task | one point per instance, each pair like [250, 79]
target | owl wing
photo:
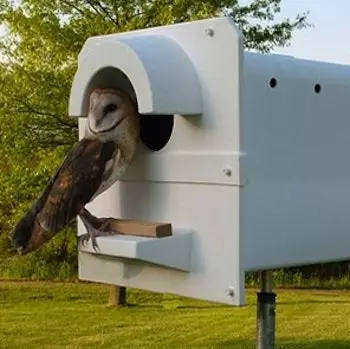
[75, 183]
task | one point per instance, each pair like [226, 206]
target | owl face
[108, 108]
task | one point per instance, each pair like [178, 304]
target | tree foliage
[38, 56]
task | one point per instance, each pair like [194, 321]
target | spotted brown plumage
[90, 168]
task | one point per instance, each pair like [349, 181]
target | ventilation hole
[273, 82]
[156, 130]
[317, 88]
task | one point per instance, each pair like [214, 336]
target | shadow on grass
[166, 305]
[289, 344]
[206, 306]
[310, 301]
[142, 306]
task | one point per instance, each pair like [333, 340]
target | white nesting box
[253, 171]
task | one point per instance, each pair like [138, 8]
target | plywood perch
[139, 228]
[132, 227]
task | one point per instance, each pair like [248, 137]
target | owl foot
[95, 227]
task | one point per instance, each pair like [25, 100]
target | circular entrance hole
[156, 130]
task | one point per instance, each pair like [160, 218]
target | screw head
[210, 31]
[230, 291]
[227, 171]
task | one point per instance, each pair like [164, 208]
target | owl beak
[120, 121]
[114, 126]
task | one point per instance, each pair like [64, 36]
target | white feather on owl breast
[114, 169]
[125, 137]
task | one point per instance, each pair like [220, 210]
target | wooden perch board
[139, 228]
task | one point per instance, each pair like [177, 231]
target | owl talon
[95, 227]
[94, 244]
[91, 234]
[84, 239]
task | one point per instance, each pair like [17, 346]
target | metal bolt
[230, 292]
[210, 31]
[227, 171]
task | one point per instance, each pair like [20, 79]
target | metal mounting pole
[266, 309]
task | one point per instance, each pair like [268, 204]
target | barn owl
[95, 163]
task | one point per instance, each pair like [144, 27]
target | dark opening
[273, 82]
[317, 88]
[156, 130]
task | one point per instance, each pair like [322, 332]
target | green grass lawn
[58, 315]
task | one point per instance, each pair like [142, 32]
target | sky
[326, 40]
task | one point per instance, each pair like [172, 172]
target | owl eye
[109, 108]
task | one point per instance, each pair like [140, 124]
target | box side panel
[296, 171]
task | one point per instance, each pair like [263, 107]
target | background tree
[38, 56]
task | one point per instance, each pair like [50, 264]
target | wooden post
[117, 296]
